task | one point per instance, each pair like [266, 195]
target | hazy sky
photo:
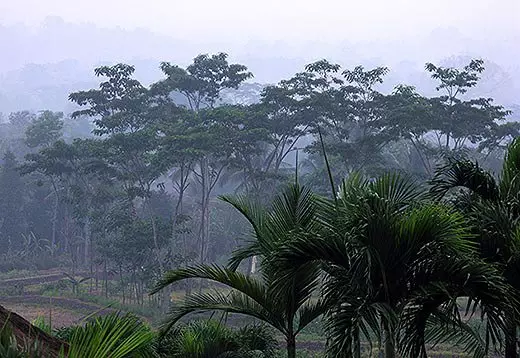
[240, 20]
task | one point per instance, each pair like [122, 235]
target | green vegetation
[327, 219]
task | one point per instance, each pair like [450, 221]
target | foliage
[42, 324]
[44, 130]
[289, 307]
[114, 335]
[395, 268]
[492, 207]
[383, 260]
[212, 339]
[12, 225]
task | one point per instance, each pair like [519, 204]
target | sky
[241, 21]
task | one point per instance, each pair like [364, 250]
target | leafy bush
[211, 339]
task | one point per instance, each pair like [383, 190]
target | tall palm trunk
[511, 337]
[291, 346]
[389, 343]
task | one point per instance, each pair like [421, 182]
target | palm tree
[395, 267]
[288, 308]
[211, 339]
[493, 206]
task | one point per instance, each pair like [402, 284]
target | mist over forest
[167, 190]
[48, 61]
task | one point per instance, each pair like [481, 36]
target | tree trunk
[291, 346]
[204, 171]
[54, 219]
[204, 215]
[389, 345]
[106, 279]
[87, 233]
[511, 337]
[122, 283]
[66, 229]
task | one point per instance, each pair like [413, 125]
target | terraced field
[63, 311]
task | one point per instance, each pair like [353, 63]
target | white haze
[275, 38]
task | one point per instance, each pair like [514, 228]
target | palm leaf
[112, 336]
[233, 302]
[464, 173]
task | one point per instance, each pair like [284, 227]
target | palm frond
[401, 190]
[233, 302]
[310, 311]
[250, 210]
[466, 174]
[236, 280]
[112, 336]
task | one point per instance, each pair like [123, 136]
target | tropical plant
[8, 344]
[395, 267]
[42, 324]
[493, 205]
[212, 339]
[75, 283]
[113, 336]
[288, 307]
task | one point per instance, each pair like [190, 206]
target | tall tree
[46, 129]
[448, 124]
[493, 207]
[42, 132]
[288, 307]
[12, 225]
[395, 268]
[201, 84]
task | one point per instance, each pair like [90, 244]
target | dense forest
[388, 217]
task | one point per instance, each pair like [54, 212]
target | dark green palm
[493, 205]
[395, 266]
[288, 307]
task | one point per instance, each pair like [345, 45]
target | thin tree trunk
[291, 346]
[91, 284]
[97, 279]
[511, 337]
[122, 283]
[204, 171]
[165, 301]
[66, 229]
[389, 345]
[54, 218]
[179, 210]
[106, 279]
[87, 232]
[204, 215]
